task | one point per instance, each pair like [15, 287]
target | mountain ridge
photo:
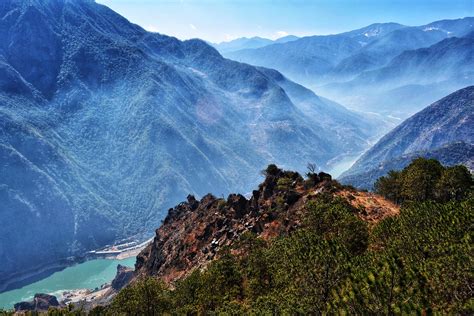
[444, 123]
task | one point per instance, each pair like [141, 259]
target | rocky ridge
[195, 231]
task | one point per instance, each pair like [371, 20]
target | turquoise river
[88, 275]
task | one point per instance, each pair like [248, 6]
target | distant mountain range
[250, 43]
[311, 56]
[104, 126]
[443, 131]
[369, 69]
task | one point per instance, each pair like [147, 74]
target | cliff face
[194, 231]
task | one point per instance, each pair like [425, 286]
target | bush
[419, 179]
[271, 170]
[390, 186]
[336, 220]
[145, 297]
[284, 184]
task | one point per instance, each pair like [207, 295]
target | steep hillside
[105, 125]
[443, 131]
[301, 246]
[311, 246]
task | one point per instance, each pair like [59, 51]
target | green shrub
[145, 297]
[284, 184]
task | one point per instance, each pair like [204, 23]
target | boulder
[41, 302]
[238, 203]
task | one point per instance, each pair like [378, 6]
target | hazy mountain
[250, 43]
[411, 78]
[395, 40]
[286, 39]
[372, 32]
[369, 69]
[379, 52]
[104, 126]
[442, 131]
[320, 59]
[312, 57]
[304, 59]
[458, 27]
[242, 43]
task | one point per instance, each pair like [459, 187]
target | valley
[107, 126]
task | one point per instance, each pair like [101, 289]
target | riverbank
[116, 252]
[74, 279]
[72, 282]
[36, 274]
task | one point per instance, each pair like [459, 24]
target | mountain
[242, 43]
[395, 40]
[413, 77]
[379, 52]
[315, 60]
[250, 43]
[104, 126]
[286, 39]
[371, 33]
[442, 131]
[302, 59]
[457, 27]
[314, 56]
[369, 69]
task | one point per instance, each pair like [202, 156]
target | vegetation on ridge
[418, 261]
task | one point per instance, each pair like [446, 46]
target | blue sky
[221, 20]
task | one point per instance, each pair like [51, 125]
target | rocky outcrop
[122, 278]
[40, 303]
[195, 231]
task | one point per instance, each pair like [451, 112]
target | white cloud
[193, 26]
